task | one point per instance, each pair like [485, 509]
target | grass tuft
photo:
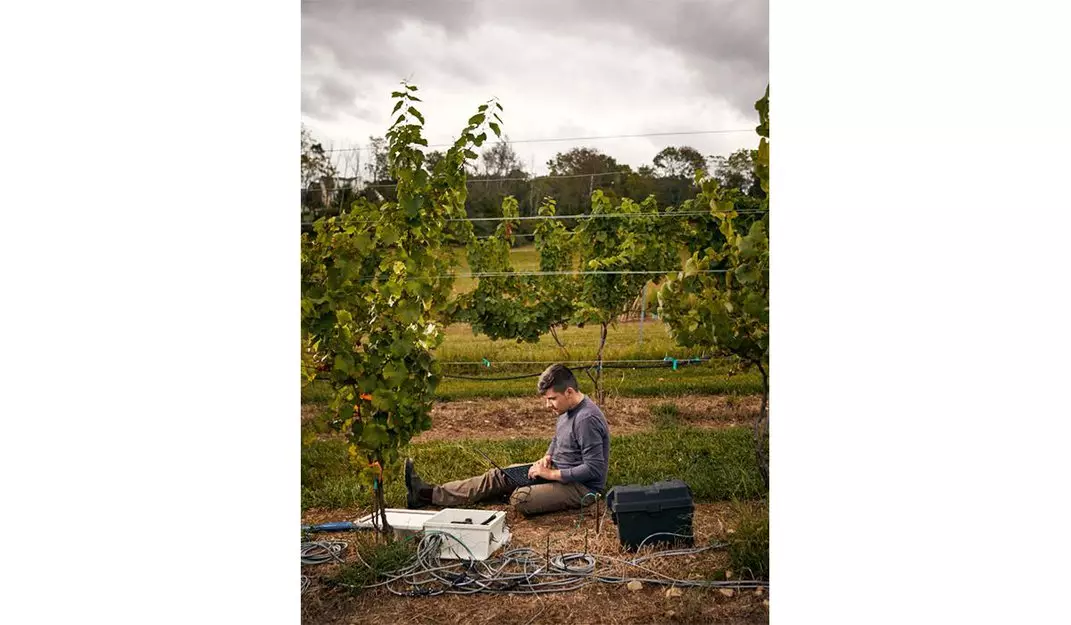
[719, 465]
[375, 561]
[666, 416]
[749, 544]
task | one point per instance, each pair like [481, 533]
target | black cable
[663, 365]
[471, 377]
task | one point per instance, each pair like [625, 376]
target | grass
[749, 546]
[705, 379]
[523, 258]
[376, 559]
[711, 378]
[622, 342]
[719, 465]
[666, 416]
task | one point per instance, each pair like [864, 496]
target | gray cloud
[344, 43]
[723, 43]
[562, 68]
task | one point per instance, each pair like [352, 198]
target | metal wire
[743, 211]
[547, 362]
[662, 364]
[523, 376]
[524, 571]
[555, 139]
[587, 216]
[513, 274]
[321, 551]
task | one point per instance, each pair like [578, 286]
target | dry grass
[518, 418]
[526, 418]
[598, 603]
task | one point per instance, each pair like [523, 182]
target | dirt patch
[526, 418]
[597, 603]
[308, 411]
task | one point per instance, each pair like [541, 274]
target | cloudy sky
[561, 68]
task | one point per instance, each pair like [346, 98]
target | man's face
[560, 402]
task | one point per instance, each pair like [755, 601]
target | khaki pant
[527, 500]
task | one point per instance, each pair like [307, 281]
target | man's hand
[541, 470]
[542, 464]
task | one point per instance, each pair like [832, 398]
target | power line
[509, 274]
[313, 186]
[588, 138]
[515, 234]
[516, 179]
[499, 274]
[744, 211]
[594, 366]
[594, 215]
[549, 362]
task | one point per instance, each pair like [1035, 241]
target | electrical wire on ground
[321, 551]
[524, 571]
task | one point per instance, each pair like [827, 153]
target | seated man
[574, 466]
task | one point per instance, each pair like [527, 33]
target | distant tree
[314, 162]
[678, 162]
[500, 161]
[377, 166]
[432, 158]
[585, 170]
[582, 161]
[317, 173]
[736, 171]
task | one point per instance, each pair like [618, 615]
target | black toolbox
[641, 511]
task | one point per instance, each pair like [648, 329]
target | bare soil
[527, 418]
[597, 603]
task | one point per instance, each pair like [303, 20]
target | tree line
[499, 173]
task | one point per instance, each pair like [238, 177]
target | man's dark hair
[558, 377]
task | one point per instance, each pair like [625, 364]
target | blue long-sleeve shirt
[581, 446]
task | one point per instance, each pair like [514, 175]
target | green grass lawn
[719, 465]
